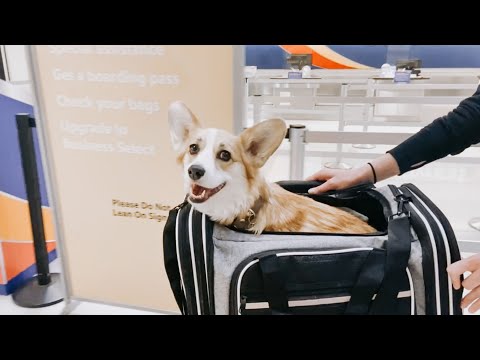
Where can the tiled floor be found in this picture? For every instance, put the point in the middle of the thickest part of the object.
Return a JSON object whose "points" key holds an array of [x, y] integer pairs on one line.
{"points": [[8, 307]]}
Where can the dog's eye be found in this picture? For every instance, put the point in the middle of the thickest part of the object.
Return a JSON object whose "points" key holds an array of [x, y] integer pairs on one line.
{"points": [[194, 149], [224, 155]]}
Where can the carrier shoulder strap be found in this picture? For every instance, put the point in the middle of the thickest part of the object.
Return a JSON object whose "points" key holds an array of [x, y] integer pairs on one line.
{"points": [[398, 253]]}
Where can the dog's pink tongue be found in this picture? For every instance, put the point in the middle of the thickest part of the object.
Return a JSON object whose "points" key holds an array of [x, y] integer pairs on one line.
{"points": [[197, 189]]}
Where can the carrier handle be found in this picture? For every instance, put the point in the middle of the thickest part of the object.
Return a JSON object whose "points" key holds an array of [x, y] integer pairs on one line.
{"points": [[368, 282], [301, 187]]}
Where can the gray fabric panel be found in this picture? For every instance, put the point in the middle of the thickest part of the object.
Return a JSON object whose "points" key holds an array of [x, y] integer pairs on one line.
{"points": [[385, 191], [231, 248], [416, 270]]}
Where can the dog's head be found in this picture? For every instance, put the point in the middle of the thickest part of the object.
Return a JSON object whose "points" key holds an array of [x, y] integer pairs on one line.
{"points": [[220, 169]]}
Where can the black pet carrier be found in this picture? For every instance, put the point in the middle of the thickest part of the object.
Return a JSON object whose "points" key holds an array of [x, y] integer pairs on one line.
{"points": [[400, 269]]}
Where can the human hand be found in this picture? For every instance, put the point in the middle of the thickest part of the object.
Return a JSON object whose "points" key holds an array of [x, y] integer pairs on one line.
{"points": [[471, 282], [385, 166], [336, 179]]}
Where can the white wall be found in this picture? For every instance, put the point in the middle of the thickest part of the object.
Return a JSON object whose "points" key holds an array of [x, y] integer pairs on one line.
{"points": [[16, 56]]}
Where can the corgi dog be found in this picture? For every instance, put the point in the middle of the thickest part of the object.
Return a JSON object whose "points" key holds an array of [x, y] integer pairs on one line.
{"points": [[223, 180]]}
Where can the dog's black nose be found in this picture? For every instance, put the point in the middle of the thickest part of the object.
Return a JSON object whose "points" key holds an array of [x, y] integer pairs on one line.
{"points": [[196, 172]]}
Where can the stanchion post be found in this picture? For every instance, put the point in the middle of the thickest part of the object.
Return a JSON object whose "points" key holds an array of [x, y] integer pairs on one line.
{"points": [[43, 289], [296, 136], [27, 151]]}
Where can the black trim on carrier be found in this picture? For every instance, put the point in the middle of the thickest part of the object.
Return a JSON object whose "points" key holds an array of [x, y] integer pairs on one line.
{"points": [[442, 279], [453, 249], [188, 257], [170, 258], [302, 187]]}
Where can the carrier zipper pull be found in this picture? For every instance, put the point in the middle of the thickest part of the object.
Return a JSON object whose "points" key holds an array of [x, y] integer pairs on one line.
{"points": [[243, 304], [178, 207], [401, 199]]}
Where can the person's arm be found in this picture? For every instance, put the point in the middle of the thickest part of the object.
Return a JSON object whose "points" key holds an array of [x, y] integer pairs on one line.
{"points": [[450, 134], [447, 135]]}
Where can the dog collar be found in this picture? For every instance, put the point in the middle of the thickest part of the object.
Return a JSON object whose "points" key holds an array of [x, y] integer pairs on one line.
{"points": [[246, 222]]}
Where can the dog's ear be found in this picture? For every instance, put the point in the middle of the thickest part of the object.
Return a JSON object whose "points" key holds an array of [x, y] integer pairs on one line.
{"points": [[261, 141], [182, 122]]}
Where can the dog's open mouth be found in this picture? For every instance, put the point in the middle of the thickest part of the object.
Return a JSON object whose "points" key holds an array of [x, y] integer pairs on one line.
{"points": [[200, 194]]}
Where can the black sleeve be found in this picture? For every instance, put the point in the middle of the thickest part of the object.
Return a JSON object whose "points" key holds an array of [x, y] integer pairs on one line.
{"points": [[447, 135]]}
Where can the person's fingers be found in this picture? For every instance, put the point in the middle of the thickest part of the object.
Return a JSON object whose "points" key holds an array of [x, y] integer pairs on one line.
{"points": [[475, 307], [327, 186], [455, 277], [472, 281], [456, 269], [320, 175], [470, 297]]}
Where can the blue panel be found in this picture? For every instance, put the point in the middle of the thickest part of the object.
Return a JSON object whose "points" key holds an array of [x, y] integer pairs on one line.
{"points": [[447, 56], [11, 172], [369, 55], [266, 56]]}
